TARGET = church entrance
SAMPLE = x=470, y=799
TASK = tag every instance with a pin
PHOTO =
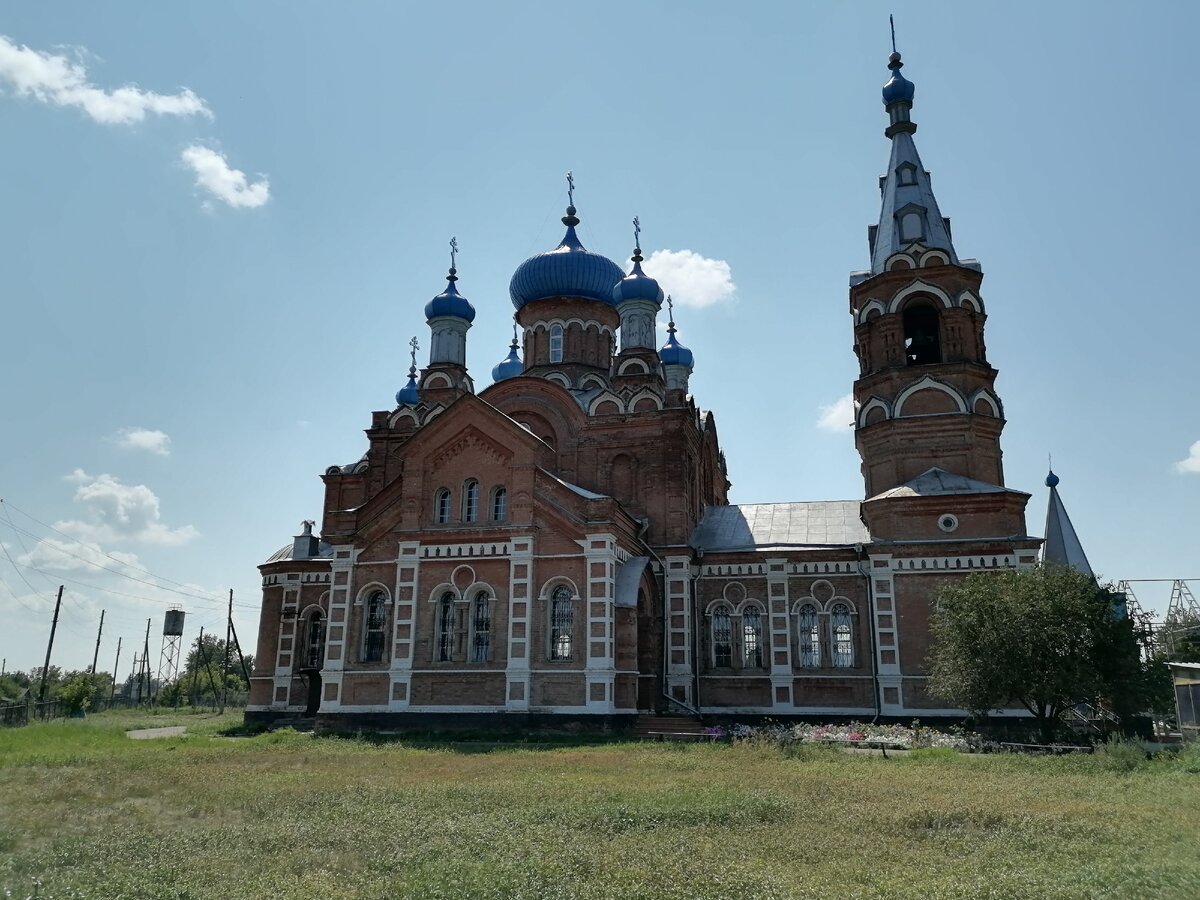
x=649, y=652
x=314, y=690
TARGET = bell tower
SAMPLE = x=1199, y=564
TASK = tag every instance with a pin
x=928, y=418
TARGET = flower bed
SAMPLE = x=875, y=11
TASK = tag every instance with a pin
x=899, y=737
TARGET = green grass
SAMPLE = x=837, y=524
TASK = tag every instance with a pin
x=91, y=813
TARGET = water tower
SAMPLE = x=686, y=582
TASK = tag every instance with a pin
x=168, y=662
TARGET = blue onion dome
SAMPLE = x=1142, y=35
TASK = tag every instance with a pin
x=1051, y=480
x=898, y=88
x=510, y=366
x=450, y=302
x=674, y=353
x=637, y=285
x=569, y=270
x=408, y=395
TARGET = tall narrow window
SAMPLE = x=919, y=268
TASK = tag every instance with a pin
x=499, y=504
x=562, y=620
x=481, y=628
x=471, y=501
x=376, y=619
x=314, y=650
x=722, y=637
x=441, y=506
x=911, y=227
x=445, y=644
x=841, y=623
x=752, y=638
x=810, y=637
x=556, y=343
x=921, y=341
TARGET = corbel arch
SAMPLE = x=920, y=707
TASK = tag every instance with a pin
x=875, y=305
x=606, y=397
x=970, y=300
x=928, y=383
x=438, y=380
x=644, y=394
x=934, y=258
x=919, y=287
x=401, y=415
x=875, y=403
x=990, y=400
x=633, y=366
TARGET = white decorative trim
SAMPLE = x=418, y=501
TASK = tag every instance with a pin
x=928, y=383
x=970, y=299
x=559, y=378
x=989, y=398
x=590, y=381
x=940, y=255
x=607, y=395
x=406, y=413
x=642, y=394
x=873, y=304
x=873, y=403
x=639, y=364
x=919, y=287
x=546, y=324
x=437, y=380
x=948, y=522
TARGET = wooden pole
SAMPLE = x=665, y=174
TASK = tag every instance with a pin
x=207, y=668
x=146, y=662
x=225, y=666
x=50, y=646
x=116, y=662
x=96, y=655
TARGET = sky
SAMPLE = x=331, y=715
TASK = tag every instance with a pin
x=221, y=222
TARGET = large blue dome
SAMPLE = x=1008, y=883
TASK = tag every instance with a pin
x=569, y=270
x=637, y=285
x=450, y=303
x=898, y=87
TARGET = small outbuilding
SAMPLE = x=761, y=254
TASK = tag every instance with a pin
x=1186, y=677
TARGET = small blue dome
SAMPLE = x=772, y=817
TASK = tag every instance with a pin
x=569, y=270
x=1051, y=480
x=637, y=285
x=898, y=87
x=450, y=303
x=510, y=366
x=408, y=395
x=674, y=353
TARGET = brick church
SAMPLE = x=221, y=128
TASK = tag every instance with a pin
x=558, y=547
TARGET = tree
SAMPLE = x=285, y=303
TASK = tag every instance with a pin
x=76, y=692
x=1045, y=638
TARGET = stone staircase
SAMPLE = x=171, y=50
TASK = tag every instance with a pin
x=655, y=727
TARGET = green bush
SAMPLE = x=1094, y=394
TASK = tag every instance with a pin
x=1121, y=755
x=77, y=691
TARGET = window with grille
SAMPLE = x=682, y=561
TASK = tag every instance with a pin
x=562, y=618
x=556, y=343
x=445, y=643
x=752, y=638
x=841, y=623
x=499, y=504
x=722, y=637
x=810, y=637
x=376, y=619
x=471, y=501
x=441, y=506
x=314, y=651
x=481, y=628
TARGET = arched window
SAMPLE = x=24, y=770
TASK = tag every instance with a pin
x=441, y=506
x=752, y=654
x=722, y=637
x=911, y=227
x=809, y=629
x=556, y=343
x=445, y=642
x=921, y=341
x=314, y=641
x=499, y=504
x=481, y=628
x=471, y=501
x=562, y=620
x=374, y=626
x=841, y=624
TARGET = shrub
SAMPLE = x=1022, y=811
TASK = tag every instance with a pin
x=77, y=691
x=1121, y=755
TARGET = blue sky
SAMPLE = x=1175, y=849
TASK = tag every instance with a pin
x=221, y=223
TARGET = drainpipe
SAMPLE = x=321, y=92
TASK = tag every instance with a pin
x=865, y=572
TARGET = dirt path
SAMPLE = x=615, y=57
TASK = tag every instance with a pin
x=146, y=734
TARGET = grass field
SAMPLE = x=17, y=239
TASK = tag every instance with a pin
x=89, y=813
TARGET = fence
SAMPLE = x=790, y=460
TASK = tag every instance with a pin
x=25, y=711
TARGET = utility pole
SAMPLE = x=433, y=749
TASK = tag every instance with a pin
x=96, y=655
x=116, y=662
x=225, y=666
x=146, y=660
x=237, y=645
x=207, y=667
x=50, y=646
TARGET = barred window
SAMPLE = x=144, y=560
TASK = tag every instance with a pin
x=445, y=644
x=752, y=656
x=441, y=506
x=481, y=627
x=499, y=504
x=810, y=637
x=562, y=619
x=556, y=343
x=471, y=501
x=722, y=637
x=842, y=625
x=314, y=650
x=376, y=620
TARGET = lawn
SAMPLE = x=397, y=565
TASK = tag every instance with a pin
x=89, y=813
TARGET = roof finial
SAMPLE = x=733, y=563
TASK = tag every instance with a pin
x=637, y=235
x=570, y=188
x=453, y=255
x=892, y=22
x=670, y=314
x=570, y=219
x=412, y=369
x=514, y=343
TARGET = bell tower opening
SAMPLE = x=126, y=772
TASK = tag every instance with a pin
x=922, y=344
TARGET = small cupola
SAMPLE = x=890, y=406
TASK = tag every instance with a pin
x=409, y=395
x=511, y=365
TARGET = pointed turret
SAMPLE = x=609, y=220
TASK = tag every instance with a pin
x=909, y=213
x=449, y=316
x=1062, y=543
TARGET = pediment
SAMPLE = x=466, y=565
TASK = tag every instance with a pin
x=472, y=441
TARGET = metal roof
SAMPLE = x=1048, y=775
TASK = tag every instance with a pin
x=1062, y=543
x=819, y=523
x=937, y=482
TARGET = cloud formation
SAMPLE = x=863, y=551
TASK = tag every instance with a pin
x=229, y=185
x=60, y=81
x=837, y=416
x=691, y=279
x=1191, y=464
x=152, y=441
x=118, y=511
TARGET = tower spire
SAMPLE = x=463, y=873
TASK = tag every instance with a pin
x=1062, y=543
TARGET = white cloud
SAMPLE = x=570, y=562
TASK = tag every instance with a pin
x=691, y=279
x=1190, y=465
x=229, y=185
x=152, y=441
x=60, y=81
x=117, y=510
x=838, y=415
x=53, y=554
